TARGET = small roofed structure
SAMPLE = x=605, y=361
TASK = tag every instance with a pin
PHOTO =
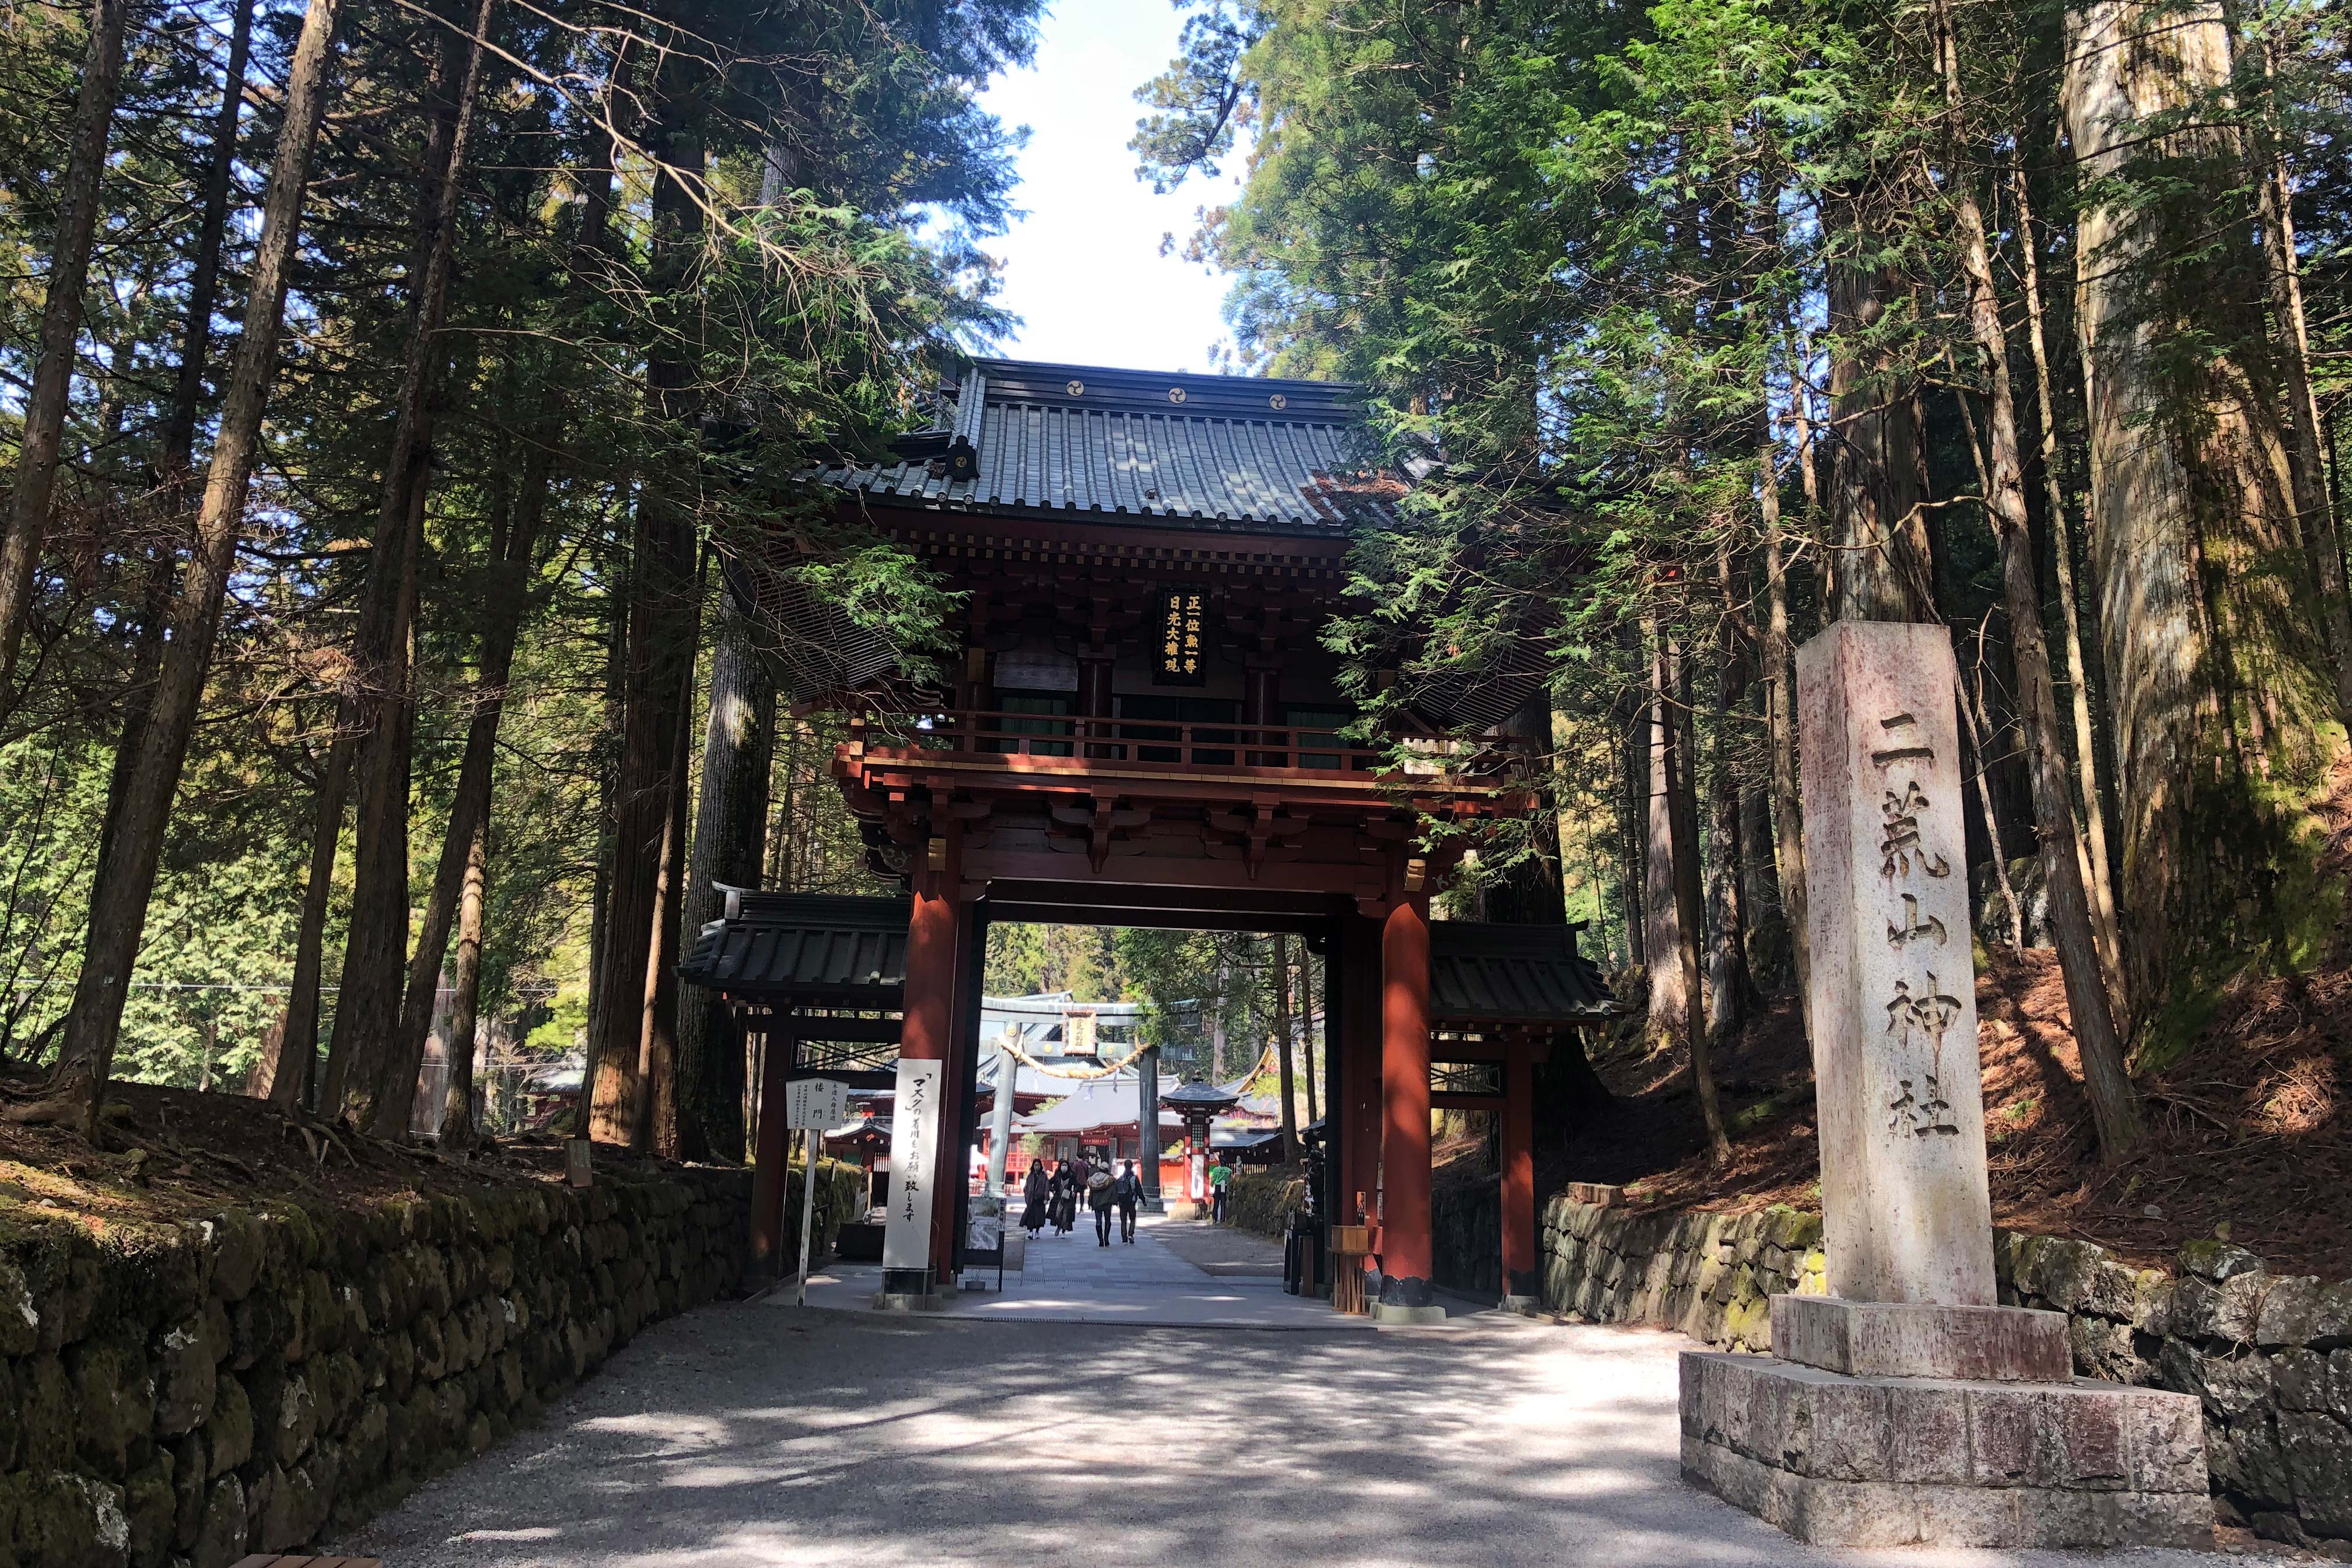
x=814, y=984
x=1199, y=1104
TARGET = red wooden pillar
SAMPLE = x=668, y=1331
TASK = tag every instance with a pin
x=934, y=950
x=957, y=1083
x=773, y=1148
x=1520, y=1275
x=1405, y=1244
x=1356, y=1115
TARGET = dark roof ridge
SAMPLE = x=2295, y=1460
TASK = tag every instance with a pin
x=1178, y=393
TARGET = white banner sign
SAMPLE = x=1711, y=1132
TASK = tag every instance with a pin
x=818, y=1104
x=914, y=1142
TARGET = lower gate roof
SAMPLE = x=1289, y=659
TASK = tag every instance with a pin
x=808, y=949
x=849, y=951
x=1481, y=972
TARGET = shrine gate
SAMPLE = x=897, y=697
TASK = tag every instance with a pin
x=1144, y=728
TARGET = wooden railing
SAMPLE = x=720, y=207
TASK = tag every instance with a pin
x=1213, y=744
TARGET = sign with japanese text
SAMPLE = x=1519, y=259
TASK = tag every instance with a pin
x=1182, y=615
x=914, y=1144
x=1907, y=1212
x=815, y=1104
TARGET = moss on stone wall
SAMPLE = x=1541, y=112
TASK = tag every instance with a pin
x=1261, y=1200
x=260, y=1380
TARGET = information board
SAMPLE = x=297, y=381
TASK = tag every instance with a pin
x=816, y=1104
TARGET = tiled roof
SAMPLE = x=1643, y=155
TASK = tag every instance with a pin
x=1205, y=451
x=1513, y=973
x=820, y=949
x=807, y=948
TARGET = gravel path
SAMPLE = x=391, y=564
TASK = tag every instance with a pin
x=755, y=1435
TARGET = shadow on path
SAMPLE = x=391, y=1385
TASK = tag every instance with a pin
x=754, y=1435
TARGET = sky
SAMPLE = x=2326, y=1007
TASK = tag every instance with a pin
x=1083, y=270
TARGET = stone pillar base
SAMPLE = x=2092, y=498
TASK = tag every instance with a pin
x=1838, y=1460
x=911, y=1302
x=1389, y=1314
x=1915, y=1339
x=1521, y=1306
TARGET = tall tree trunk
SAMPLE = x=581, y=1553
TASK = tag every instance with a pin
x=659, y=657
x=43, y=434
x=2315, y=518
x=1781, y=716
x=175, y=454
x=2220, y=690
x=119, y=895
x=1732, y=987
x=1883, y=564
x=730, y=828
x=458, y=1130
x=1678, y=787
x=1630, y=735
x=370, y=1008
x=785, y=866
x=657, y=1104
x=1283, y=1046
x=513, y=540
x=176, y=457
x=2101, y=880
x=1976, y=713
x=297, y=1042
x=592, y=259
x=1971, y=694
x=1532, y=890
x=2115, y=1105
x=1671, y=996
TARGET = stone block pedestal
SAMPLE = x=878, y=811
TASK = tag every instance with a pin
x=1393, y=1315
x=1917, y=1339
x=1872, y=1459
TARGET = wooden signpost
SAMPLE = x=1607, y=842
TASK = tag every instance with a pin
x=816, y=1106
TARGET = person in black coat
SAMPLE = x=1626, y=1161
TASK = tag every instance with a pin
x=1102, y=1196
x=1129, y=1193
x=1032, y=1197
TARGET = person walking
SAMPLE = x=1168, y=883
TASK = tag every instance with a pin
x=1128, y=1192
x=1102, y=1196
x=1063, y=1200
x=1221, y=1175
x=1033, y=1198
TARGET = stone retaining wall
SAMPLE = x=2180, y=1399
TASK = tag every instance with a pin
x=2268, y=1356
x=264, y=1379
x=1261, y=1200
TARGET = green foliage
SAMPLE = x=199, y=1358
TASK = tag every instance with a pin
x=843, y=169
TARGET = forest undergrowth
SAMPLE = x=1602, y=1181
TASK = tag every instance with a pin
x=167, y=1154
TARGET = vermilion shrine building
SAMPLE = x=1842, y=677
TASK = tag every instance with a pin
x=1143, y=730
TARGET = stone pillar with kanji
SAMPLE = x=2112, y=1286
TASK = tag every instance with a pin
x=1907, y=1405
